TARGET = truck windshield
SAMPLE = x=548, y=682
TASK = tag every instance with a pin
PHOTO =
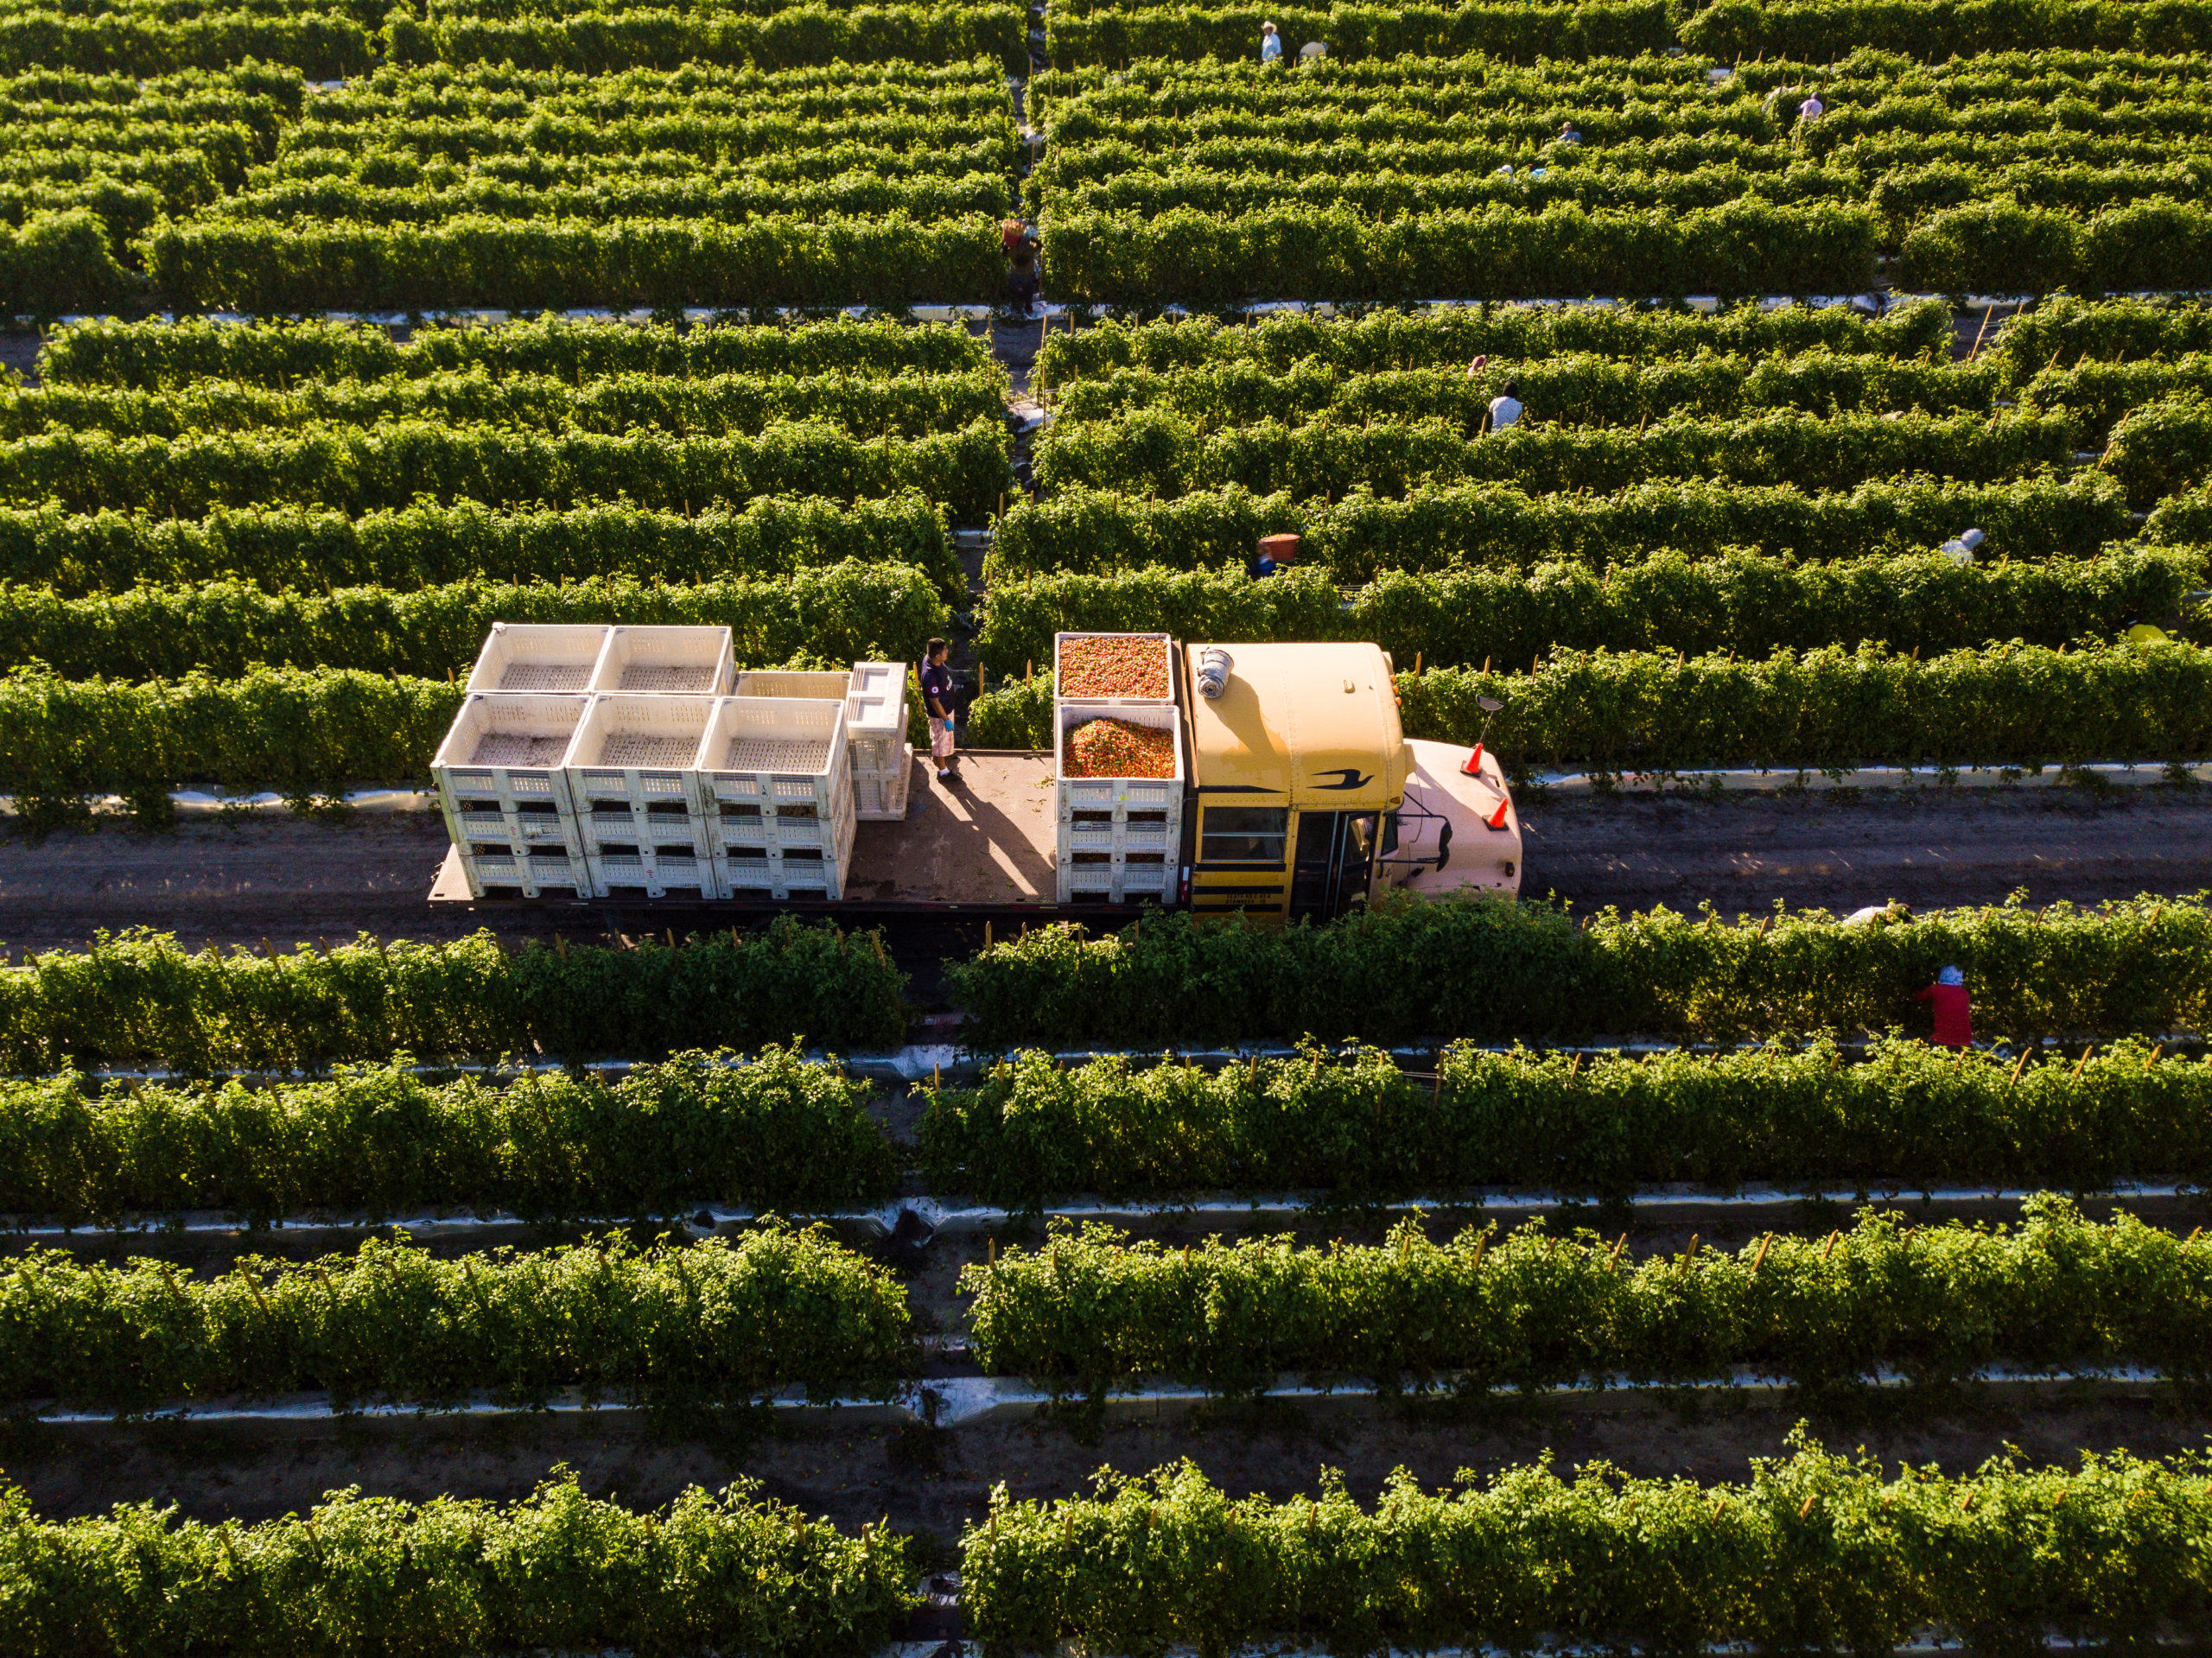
x=1245, y=834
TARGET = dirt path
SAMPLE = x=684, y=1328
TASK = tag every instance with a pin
x=286, y=878
x=1842, y=849
x=935, y=1482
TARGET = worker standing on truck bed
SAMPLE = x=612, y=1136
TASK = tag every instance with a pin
x=1953, y=1025
x=936, y=696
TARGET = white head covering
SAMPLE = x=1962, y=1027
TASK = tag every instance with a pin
x=1951, y=975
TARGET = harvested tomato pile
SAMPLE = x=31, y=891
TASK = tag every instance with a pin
x=1114, y=748
x=1098, y=664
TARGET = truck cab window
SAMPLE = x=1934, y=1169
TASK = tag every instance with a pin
x=1255, y=834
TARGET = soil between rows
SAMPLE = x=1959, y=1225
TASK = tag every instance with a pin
x=935, y=1482
x=275, y=876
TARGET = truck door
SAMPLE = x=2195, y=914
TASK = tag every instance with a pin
x=1334, y=863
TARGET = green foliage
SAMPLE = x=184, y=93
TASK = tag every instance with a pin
x=1409, y=969
x=57, y=261
x=733, y=1572
x=712, y=1323
x=2000, y=246
x=142, y=39
x=1394, y=340
x=301, y=732
x=771, y=1132
x=1444, y=527
x=592, y=39
x=2063, y=329
x=1741, y=602
x=423, y=546
x=1130, y=34
x=152, y=356
x=1352, y=1124
x=1816, y=1552
x=1153, y=452
x=475, y=260
x=2162, y=448
x=720, y=406
x=142, y=998
x=1831, y=709
x=1530, y=1309
x=399, y=463
x=851, y=611
x=1816, y=30
x=1744, y=247
x=1658, y=713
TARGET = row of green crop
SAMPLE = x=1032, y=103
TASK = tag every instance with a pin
x=1822, y=709
x=853, y=611
x=733, y=1572
x=154, y=356
x=909, y=405
x=1816, y=1550
x=1409, y=968
x=1531, y=1309
x=711, y=1324
x=523, y=264
x=327, y=45
x=1387, y=341
x=1586, y=389
x=1360, y=536
x=402, y=462
x=1902, y=196
x=1282, y=253
x=1746, y=247
x=1158, y=452
x=1745, y=603
x=771, y=1131
x=143, y=997
x=427, y=546
x=731, y=200
x=774, y=1132
x=1902, y=174
x=690, y=138
x=1806, y=31
x=313, y=732
x=394, y=162
x=1589, y=390
x=1352, y=1124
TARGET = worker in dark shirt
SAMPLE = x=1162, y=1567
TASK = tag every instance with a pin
x=936, y=697
x=1953, y=1025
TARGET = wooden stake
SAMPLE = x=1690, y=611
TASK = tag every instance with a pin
x=2021, y=1066
x=1759, y=1260
x=1830, y=1250
x=2153, y=1060
x=2083, y=1060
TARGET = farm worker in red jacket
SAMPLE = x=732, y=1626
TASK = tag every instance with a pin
x=1954, y=1029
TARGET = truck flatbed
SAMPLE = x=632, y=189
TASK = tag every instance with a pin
x=981, y=847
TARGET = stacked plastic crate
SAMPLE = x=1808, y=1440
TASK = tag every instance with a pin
x=498, y=772
x=875, y=726
x=653, y=695
x=1117, y=837
x=773, y=790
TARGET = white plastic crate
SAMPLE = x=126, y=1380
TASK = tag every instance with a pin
x=875, y=721
x=686, y=661
x=649, y=869
x=1167, y=648
x=880, y=797
x=772, y=752
x=1115, y=882
x=789, y=871
x=823, y=686
x=636, y=750
x=501, y=783
x=492, y=857
x=538, y=656
x=1120, y=794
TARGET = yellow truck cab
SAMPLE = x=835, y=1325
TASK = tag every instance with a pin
x=1309, y=798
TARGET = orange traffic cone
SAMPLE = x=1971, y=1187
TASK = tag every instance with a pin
x=1497, y=819
x=1474, y=766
